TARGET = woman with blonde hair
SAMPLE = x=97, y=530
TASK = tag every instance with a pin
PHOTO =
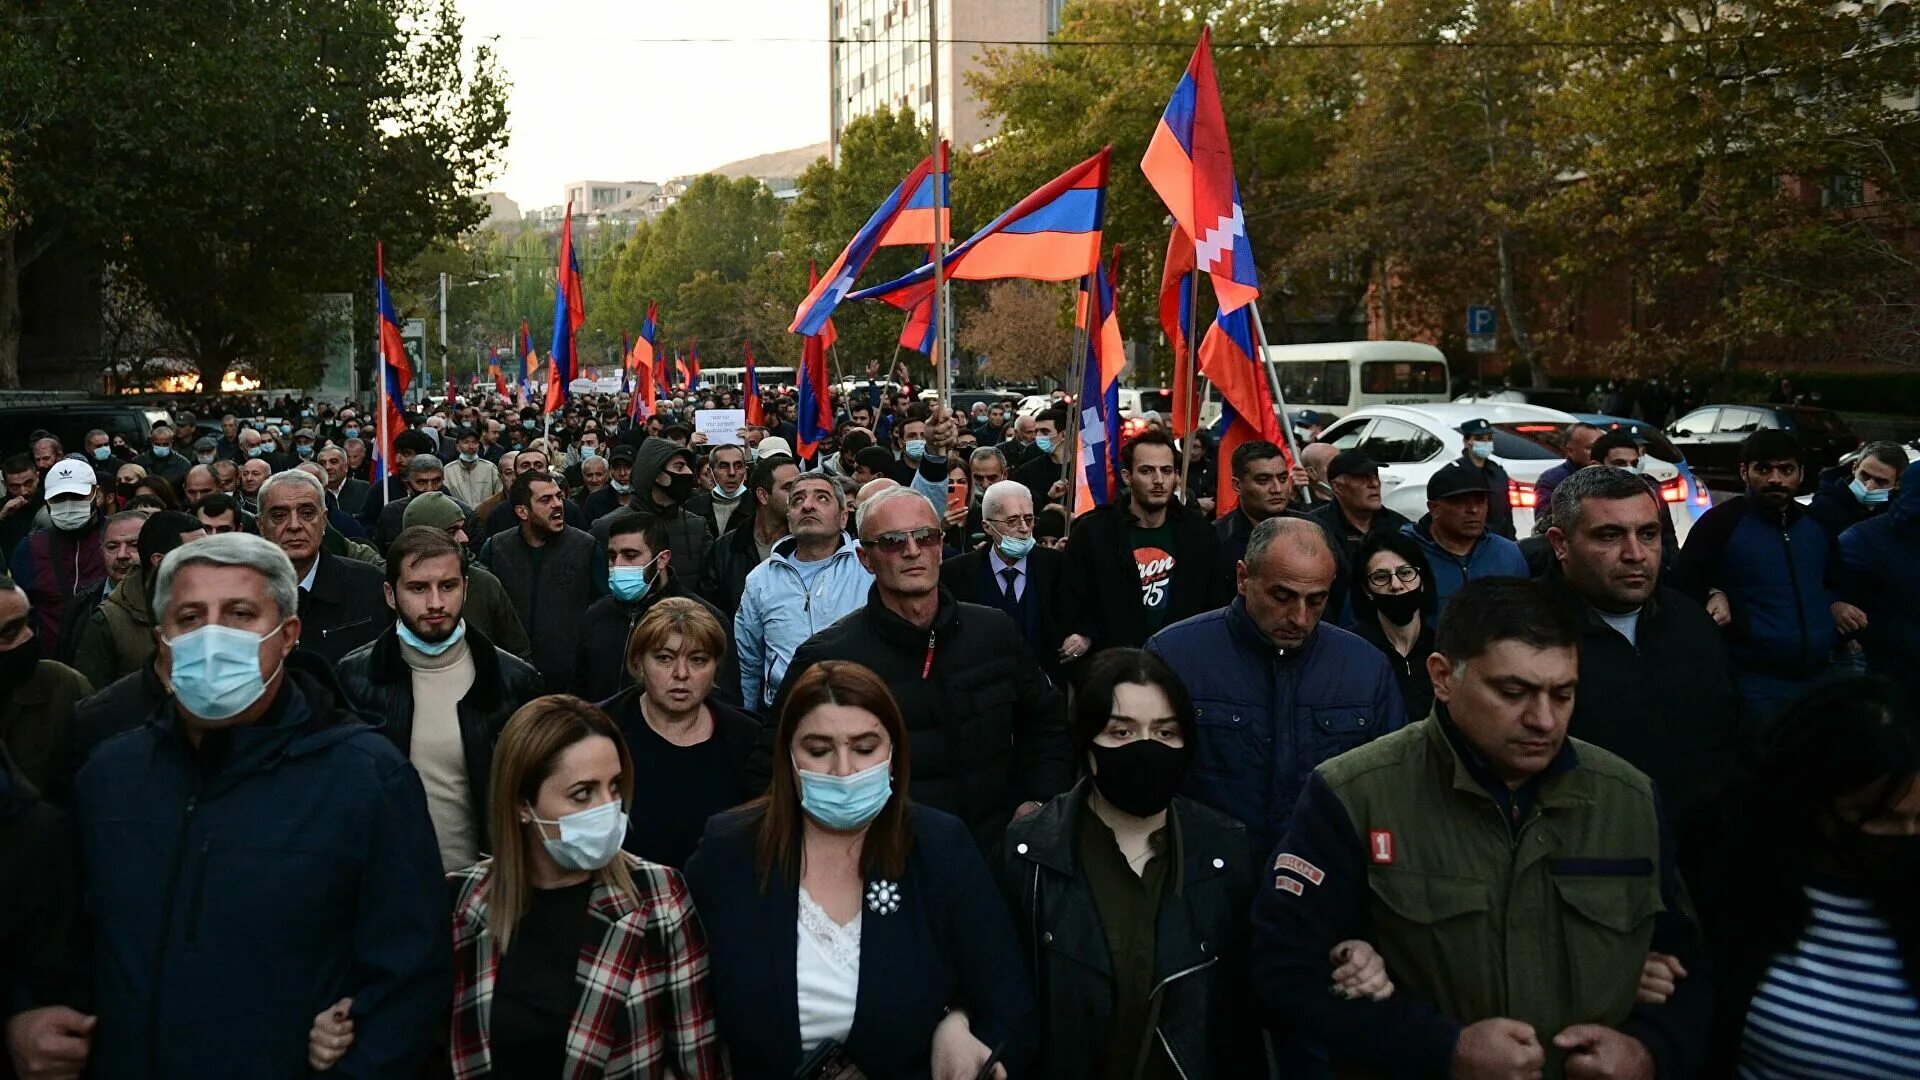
x=853, y=929
x=696, y=753
x=571, y=957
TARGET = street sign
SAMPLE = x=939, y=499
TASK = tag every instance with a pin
x=1482, y=329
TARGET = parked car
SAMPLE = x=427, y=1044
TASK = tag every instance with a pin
x=1687, y=500
x=1710, y=437
x=70, y=421
x=1552, y=397
x=1412, y=442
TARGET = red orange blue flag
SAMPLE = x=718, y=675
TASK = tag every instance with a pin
x=1190, y=166
x=912, y=214
x=751, y=404
x=396, y=373
x=1097, y=480
x=569, y=312
x=1246, y=412
x=1051, y=235
x=814, y=419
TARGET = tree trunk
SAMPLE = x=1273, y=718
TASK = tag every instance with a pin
x=1516, y=320
x=9, y=311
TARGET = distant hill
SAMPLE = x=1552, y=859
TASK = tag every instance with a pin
x=780, y=163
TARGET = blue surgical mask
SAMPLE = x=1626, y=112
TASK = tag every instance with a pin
x=216, y=670
x=161, y=451
x=469, y=457
x=629, y=583
x=588, y=452
x=1481, y=450
x=305, y=451
x=1015, y=548
x=256, y=449
x=846, y=802
x=728, y=494
x=352, y=432
x=431, y=648
x=1871, y=498
x=916, y=449
x=1043, y=443
x=205, y=459
x=102, y=453
x=528, y=424
x=588, y=839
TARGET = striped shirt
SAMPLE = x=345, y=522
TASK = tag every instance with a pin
x=1835, y=1005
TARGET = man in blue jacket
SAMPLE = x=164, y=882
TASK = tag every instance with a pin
x=1762, y=568
x=1877, y=557
x=253, y=854
x=1275, y=691
x=1454, y=534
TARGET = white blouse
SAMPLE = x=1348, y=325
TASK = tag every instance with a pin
x=827, y=971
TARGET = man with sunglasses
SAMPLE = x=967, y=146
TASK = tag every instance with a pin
x=987, y=730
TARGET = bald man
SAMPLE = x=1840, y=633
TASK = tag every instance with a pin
x=1283, y=690
x=1315, y=457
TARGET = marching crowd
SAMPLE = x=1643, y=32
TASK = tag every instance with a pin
x=579, y=746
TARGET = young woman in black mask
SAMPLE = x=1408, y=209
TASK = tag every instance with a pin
x=1393, y=608
x=1809, y=892
x=1131, y=901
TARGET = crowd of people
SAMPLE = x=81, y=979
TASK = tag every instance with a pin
x=573, y=744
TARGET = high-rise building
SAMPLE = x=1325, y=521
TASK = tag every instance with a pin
x=879, y=57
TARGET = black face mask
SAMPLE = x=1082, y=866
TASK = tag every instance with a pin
x=679, y=486
x=17, y=664
x=128, y=491
x=1399, y=608
x=1885, y=863
x=1140, y=778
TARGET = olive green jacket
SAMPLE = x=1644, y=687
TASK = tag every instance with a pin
x=117, y=638
x=36, y=719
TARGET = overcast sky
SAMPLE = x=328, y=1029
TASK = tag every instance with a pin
x=601, y=90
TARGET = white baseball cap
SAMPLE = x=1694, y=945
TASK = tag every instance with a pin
x=69, y=477
x=771, y=445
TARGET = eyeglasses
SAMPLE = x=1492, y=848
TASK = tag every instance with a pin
x=1014, y=522
x=1405, y=574
x=895, y=542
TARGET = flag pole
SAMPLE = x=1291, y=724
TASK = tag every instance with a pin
x=380, y=370
x=1279, y=400
x=939, y=356
x=1191, y=363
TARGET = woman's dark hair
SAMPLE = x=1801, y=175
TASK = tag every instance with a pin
x=1359, y=594
x=889, y=838
x=160, y=488
x=1108, y=670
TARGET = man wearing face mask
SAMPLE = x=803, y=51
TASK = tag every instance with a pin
x=37, y=696
x=1849, y=495
x=729, y=488
x=640, y=574
x=99, y=451
x=1017, y=576
x=59, y=562
x=1044, y=466
x=471, y=478
x=1876, y=556
x=441, y=687
x=1279, y=690
x=618, y=487
x=1478, y=455
x=212, y=812
x=161, y=458
x=663, y=485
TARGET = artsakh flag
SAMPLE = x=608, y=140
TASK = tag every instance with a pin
x=569, y=313
x=815, y=412
x=1051, y=235
x=1227, y=357
x=1097, y=480
x=396, y=373
x=1190, y=167
x=909, y=215
x=1176, y=313
x=750, y=386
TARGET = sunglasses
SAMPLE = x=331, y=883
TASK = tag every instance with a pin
x=895, y=542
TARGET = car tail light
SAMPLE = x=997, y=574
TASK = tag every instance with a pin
x=1522, y=496
x=1674, y=490
x=1701, y=496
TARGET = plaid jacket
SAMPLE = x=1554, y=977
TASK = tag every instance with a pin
x=644, y=1008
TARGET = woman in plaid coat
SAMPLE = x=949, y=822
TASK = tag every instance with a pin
x=572, y=958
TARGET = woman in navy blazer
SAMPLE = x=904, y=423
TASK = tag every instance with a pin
x=846, y=924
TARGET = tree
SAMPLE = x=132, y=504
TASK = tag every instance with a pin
x=1022, y=330
x=362, y=120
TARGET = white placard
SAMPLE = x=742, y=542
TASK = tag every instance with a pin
x=721, y=426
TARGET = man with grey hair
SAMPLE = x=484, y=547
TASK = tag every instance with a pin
x=1012, y=573
x=423, y=473
x=1280, y=690
x=340, y=599
x=348, y=492
x=1655, y=686
x=286, y=846
x=987, y=727
x=812, y=577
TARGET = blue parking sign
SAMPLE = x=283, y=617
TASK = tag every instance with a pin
x=1481, y=321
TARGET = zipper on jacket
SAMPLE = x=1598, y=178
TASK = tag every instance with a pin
x=1166, y=1046
x=926, y=668
x=198, y=900
x=166, y=931
x=1799, y=605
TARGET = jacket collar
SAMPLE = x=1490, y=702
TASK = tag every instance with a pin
x=388, y=666
x=1590, y=619
x=1248, y=636
x=897, y=631
x=309, y=714
x=1050, y=836
x=784, y=548
x=471, y=916
x=326, y=579
x=131, y=596
x=1468, y=773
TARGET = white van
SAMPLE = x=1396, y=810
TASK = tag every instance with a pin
x=1340, y=376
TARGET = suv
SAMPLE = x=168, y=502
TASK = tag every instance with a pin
x=1710, y=437
x=69, y=421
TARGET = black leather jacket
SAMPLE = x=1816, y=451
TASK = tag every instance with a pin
x=379, y=685
x=1203, y=1004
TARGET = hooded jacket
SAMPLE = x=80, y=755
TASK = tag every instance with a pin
x=1877, y=558
x=1492, y=556
x=53, y=566
x=779, y=611
x=237, y=889
x=688, y=534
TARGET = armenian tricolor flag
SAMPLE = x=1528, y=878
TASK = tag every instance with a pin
x=815, y=419
x=756, y=410
x=910, y=215
x=569, y=313
x=395, y=374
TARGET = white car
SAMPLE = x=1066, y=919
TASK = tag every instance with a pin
x=1412, y=442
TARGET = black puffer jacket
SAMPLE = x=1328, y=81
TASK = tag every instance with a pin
x=985, y=726
x=602, y=669
x=729, y=560
x=379, y=686
x=1203, y=1011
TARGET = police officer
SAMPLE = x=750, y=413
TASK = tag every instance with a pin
x=1478, y=454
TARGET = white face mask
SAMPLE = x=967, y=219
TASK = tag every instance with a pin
x=70, y=516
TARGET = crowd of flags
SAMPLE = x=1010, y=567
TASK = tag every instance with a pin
x=1054, y=235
